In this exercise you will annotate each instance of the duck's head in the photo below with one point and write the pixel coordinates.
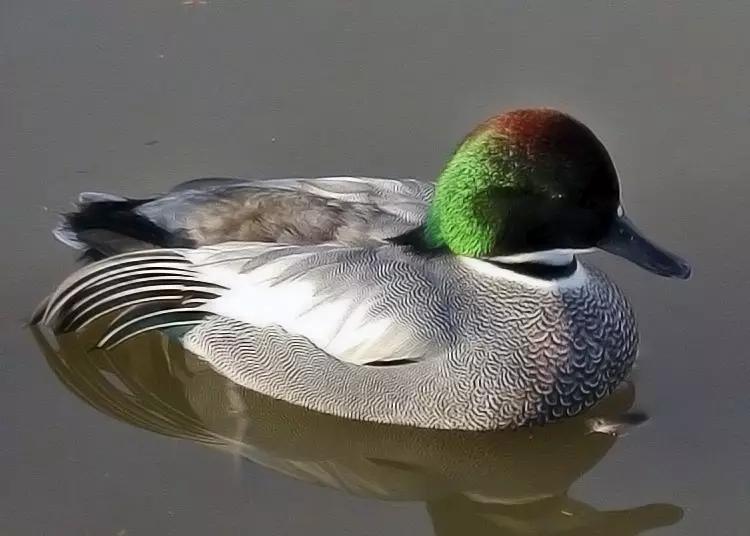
(536, 185)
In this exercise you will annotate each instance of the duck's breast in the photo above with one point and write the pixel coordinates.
(545, 349)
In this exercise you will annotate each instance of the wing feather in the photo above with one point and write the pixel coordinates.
(360, 305)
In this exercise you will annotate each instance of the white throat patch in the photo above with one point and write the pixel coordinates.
(550, 257)
(488, 268)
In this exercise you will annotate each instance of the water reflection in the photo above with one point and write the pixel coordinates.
(498, 483)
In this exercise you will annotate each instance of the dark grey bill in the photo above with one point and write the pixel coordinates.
(626, 241)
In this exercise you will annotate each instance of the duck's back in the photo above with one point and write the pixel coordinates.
(353, 210)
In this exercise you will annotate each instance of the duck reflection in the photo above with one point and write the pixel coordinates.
(475, 483)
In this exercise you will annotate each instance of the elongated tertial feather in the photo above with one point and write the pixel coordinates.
(99, 271)
(151, 289)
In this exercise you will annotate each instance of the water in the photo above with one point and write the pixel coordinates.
(133, 97)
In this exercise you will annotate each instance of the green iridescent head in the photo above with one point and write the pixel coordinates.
(532, 180)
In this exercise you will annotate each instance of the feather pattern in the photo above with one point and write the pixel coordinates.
(467, 344)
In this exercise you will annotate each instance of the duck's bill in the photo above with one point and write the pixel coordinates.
(626, 241)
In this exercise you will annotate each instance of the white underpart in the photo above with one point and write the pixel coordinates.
(575, 280)
(336, 325)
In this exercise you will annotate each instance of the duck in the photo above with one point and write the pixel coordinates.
(461, 304)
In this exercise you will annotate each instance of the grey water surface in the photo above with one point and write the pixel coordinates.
(134, 96)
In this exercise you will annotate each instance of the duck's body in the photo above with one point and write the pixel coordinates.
(459, 306)
(378, 334)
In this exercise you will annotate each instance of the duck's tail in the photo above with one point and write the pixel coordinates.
(104, 225)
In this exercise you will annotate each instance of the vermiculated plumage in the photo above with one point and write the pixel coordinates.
(485, 352)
